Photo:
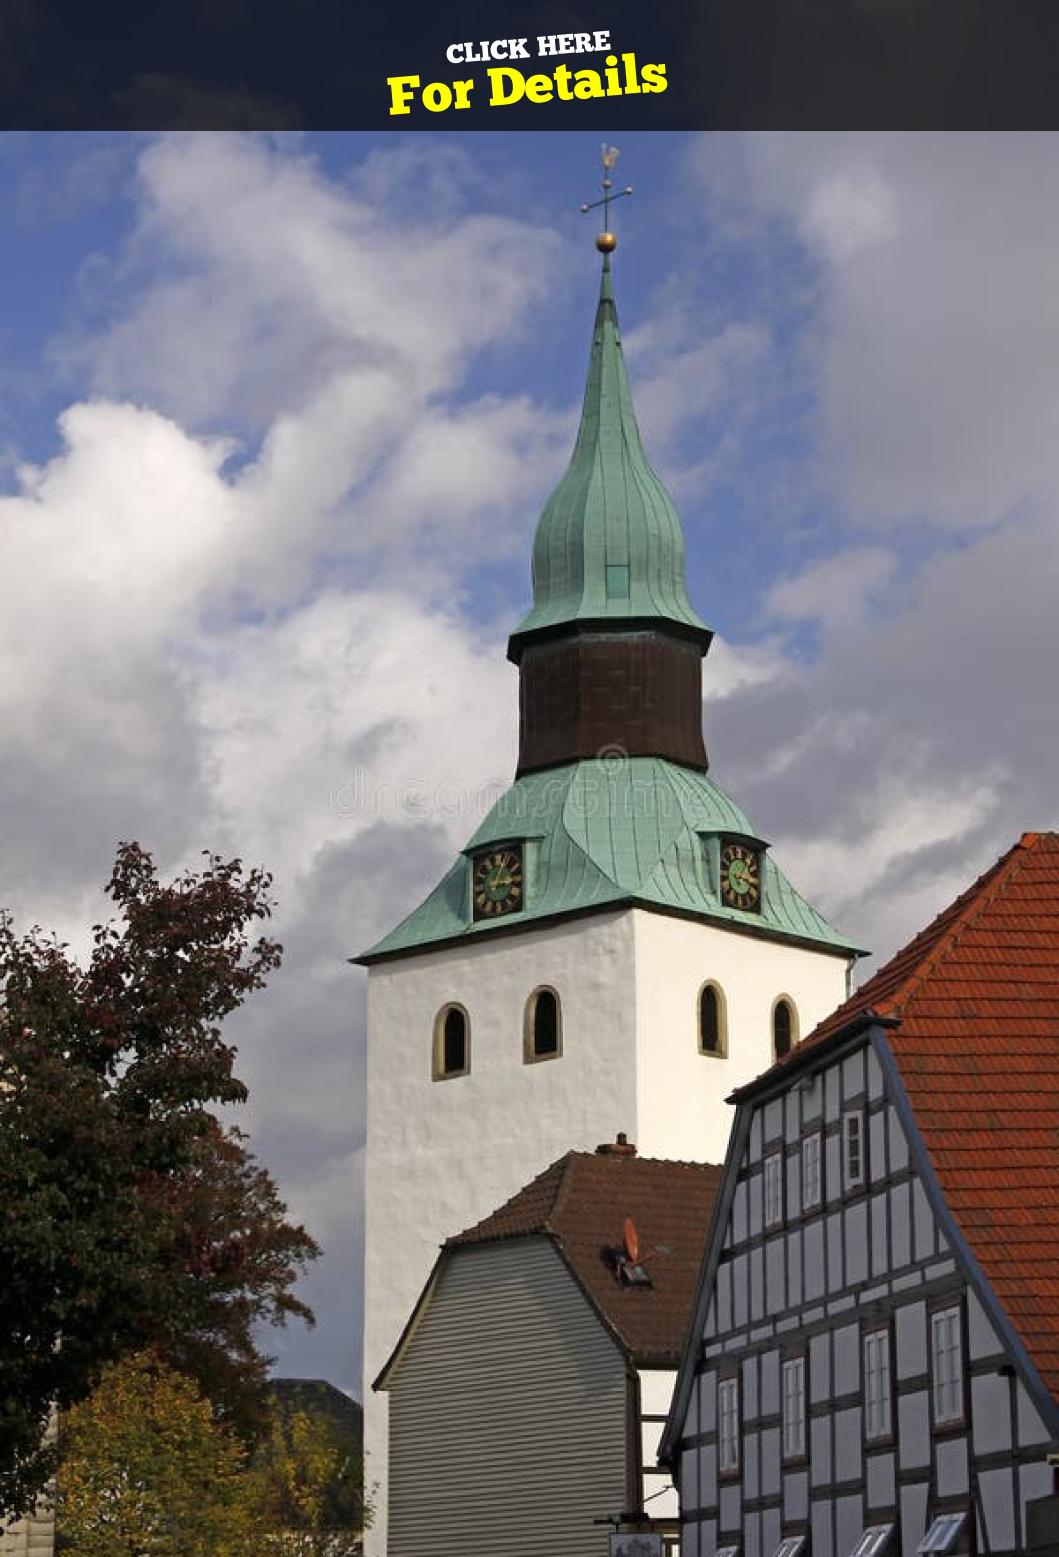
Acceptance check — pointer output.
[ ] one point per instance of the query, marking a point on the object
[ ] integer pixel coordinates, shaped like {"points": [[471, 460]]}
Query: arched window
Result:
{"points": [[784, 1027], [713, 1021], [452, 1043], [543, 1033]]}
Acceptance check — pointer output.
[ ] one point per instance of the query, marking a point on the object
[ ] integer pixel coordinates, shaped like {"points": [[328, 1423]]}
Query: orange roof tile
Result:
{"points": [[581, 1203], [975, 1003]]}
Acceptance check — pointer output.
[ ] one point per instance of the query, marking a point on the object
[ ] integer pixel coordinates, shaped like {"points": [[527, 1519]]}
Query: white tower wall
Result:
{"points": [[443, 1154]]}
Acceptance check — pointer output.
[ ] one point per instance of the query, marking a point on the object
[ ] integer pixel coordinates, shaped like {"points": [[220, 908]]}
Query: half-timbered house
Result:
{"points": [[528, 1392], [872, 1366]]}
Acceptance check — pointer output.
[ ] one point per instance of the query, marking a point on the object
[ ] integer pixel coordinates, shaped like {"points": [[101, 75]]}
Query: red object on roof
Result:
{"points": [[584, 1203], [975, 1003]]}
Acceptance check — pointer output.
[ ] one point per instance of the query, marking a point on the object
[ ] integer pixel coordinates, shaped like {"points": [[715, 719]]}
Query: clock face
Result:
{"points": [[497, 882], [740, 877]]}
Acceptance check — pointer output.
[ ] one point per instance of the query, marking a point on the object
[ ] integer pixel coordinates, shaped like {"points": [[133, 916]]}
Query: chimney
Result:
{"points": [[619, 1147]]}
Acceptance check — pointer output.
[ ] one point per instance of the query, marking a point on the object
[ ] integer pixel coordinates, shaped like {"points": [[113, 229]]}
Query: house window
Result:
{"points": [[812, 1182], [784, 1028], [873, 1541], [877, 1384], [543, 1033], [713, 1022], [947, 1366], [943, 1533], [452, 1043], [728, 1425], [774, 1189], [790, 1546], [853, 1149], [794, 1409]]}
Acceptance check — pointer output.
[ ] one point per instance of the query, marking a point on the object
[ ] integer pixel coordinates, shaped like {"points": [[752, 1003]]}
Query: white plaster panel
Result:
{"points": [[849, 1522], [901, 1225], [794, 1185], [689, 1539], [707, 1393], [832, 1094], [880, 1254], [835, 1271], [822, 1544], [739, 1220], [794, 1269], [752, 1536], [994, 1487], [740, 1290], [951, 1463], [877, 1146], [709, 1327], [730, 1509], [796, 1496], [750, 1465], [812, 1096], [981, 1337], [723, 1293], [656, 1390], [853, 1076], [755, 1193], [913, 1516], [913, 1435], [708, 1541], [898, 1142], [847, 1360], [775, 1276], [689, 1478], [819, 1367], [757, 1283], [771, 1530], [770, 1461], [814, 1274], [749, 1389], [990, 1412], [923, 1219], [881, 1481], [847, 1445], [773, 1124], [876, 1087], [792, 1119], [857, 1243], [753, 1150], [832, 1168], [770, 1383], [1031, 1428], [708, 1476], [1035, 1481], [820, 1450]]}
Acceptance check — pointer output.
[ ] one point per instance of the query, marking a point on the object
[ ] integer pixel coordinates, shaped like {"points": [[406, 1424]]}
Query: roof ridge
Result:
{"points": [[976, 900], [561, 1194]]}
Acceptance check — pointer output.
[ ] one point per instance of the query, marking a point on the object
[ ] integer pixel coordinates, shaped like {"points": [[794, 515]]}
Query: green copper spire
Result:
{"points": [[609, 544]]}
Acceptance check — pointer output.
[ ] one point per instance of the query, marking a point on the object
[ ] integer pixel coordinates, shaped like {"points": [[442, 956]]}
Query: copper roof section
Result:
{"points": [[581, 1203], [973, 1009]]}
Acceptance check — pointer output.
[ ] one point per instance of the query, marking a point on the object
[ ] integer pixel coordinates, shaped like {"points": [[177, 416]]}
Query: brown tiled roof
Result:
{"points": [[581, 1203], [975, 1002]]}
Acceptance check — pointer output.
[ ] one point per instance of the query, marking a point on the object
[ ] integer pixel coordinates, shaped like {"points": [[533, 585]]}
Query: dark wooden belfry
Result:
{"points": [[610, 655]]}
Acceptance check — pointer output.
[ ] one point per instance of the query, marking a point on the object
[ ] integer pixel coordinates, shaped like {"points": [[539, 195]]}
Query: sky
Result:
{"points": [[277, 418]]}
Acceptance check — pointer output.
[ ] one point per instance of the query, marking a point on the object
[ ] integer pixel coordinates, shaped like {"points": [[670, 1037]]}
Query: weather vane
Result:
{"points": [[606, 242]]}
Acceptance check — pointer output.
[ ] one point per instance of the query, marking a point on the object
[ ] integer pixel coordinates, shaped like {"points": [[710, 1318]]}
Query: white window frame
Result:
{"points": [[792, 1403], [853, 1127], [728, 1456], [946, 1365], [943, 1533], [812, 1170], [878, 1422], [773, 1187], [872, 1541]]}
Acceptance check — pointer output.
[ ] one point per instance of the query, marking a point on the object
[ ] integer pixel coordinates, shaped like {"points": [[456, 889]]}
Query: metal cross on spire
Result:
{"points": [[606, 242]]}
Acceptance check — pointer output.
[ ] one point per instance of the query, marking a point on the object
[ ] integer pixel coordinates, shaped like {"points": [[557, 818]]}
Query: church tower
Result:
{"points": [[615, 949]]}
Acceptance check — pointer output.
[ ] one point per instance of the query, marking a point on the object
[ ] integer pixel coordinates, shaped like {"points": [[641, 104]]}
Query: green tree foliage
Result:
{"points": [[132, 1217], [148, 1471], [311, 1486]]}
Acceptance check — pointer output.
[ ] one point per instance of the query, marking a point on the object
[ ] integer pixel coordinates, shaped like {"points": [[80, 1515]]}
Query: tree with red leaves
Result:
{"points": [[130, 1216]]}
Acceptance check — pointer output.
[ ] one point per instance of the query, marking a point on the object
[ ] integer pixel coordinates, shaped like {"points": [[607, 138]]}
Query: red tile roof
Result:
{"points": [[975, 1000], [581, 1203]]}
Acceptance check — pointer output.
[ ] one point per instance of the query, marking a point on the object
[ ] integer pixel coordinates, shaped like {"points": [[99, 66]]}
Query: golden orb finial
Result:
{"points": [[606, 241]]}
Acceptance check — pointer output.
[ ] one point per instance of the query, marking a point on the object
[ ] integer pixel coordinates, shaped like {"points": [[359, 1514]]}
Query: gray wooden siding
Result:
{"points": [[508, 1424], [867, 1258]]}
